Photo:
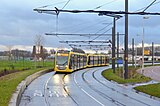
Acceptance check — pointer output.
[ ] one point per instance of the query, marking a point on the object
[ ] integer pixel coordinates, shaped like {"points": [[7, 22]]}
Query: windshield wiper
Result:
{"points": [[64, 62]]}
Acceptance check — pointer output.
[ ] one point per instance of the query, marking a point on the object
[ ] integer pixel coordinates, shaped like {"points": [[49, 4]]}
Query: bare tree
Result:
{"points": [[9, 48]]}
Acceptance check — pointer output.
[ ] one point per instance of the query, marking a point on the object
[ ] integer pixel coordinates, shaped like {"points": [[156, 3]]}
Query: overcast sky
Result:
{"points": [[19, 24]]}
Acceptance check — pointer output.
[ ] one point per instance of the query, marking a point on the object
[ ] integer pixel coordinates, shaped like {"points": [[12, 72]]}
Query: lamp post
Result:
{"points": [[143, 43], [136, 46]]}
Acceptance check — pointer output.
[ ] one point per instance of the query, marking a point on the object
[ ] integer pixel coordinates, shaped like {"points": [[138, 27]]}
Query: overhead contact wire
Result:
{"points": [[105, 4], [52, 4], [66, 4], [149, 5]]}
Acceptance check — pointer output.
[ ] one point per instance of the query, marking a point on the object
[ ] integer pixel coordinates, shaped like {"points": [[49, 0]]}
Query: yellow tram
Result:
{"points": [[69, 61]]}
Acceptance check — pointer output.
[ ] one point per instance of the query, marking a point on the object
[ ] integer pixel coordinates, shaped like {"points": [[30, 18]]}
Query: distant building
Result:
{"points": [[39, 53], [15, 54]]}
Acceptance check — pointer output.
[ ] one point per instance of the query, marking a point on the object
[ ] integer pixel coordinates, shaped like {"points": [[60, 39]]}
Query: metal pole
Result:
{"points": [[136, 57], [113, 50], [152, 53], [132, 51], [142, 47], [126, 41], [143, 44], [117, 49]]}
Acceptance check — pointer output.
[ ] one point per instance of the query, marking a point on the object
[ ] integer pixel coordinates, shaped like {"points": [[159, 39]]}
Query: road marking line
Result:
{"points": [[47, 82], [55, 92], [88, 93], [57, 95], [92, 97]]}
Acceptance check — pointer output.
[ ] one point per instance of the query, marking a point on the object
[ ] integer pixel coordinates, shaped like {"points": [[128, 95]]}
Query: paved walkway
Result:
{"points": [[153, 72]]}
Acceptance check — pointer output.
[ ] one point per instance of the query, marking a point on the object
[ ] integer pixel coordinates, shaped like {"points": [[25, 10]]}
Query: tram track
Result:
{"points": [[65, 89], [45, 92], [81, 88], [101, 93], [63, 86], [93, 75]]}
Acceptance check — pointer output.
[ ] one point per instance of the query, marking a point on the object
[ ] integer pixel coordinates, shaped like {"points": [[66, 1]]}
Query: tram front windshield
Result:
{"points": [[62, 60]]}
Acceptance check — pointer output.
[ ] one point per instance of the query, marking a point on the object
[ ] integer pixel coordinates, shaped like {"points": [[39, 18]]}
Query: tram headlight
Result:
{"points": [[66, 66], [56, 65]]}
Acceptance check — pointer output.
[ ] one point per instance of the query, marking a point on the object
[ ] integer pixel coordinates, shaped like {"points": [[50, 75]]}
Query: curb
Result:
{"points": [[136, 91], [16, 96], [147, 95]]}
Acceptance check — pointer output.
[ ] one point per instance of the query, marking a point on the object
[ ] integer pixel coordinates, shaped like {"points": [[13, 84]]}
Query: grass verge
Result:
{"points": [[9, 83], [152, 89], [8, 67], [134, 77]]}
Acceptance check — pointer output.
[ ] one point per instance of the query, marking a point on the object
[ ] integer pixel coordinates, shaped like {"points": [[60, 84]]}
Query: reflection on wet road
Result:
{"points": [[82, 88]]}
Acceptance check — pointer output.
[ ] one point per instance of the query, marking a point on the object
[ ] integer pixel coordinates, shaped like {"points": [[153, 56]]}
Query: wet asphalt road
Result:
{"points": [[86, 87]]}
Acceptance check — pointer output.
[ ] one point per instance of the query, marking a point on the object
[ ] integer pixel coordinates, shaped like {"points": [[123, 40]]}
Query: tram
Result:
{"points": [[69, 61]]}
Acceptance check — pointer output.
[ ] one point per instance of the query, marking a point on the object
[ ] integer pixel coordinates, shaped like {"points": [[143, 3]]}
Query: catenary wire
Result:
{"points": [[146, 6], [149, 5], [66, 4], [62, 2], [105, 4], [103, 28], [101, 34], [89, 26]]}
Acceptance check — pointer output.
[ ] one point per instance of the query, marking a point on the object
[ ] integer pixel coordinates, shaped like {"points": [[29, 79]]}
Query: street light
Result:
{"points": [[143, 43], [136, 46]]}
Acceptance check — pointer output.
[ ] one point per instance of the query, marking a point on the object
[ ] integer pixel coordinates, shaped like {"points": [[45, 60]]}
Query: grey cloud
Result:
{"points": [[21, 23]]}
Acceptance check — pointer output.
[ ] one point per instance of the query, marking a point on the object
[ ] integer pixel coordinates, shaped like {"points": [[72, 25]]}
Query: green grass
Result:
{"points": [[22, 65], [9, 83], [152, 89], [134, 77]]}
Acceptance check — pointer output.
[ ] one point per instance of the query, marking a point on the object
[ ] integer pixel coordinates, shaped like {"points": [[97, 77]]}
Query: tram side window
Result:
{"points": [[100, 59], [81, 61], [92, 62], [85, 60], [95, 60], [78, 57], [71, 61], [89, 60], [75, 60], [103, 59], [107, 60]]}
